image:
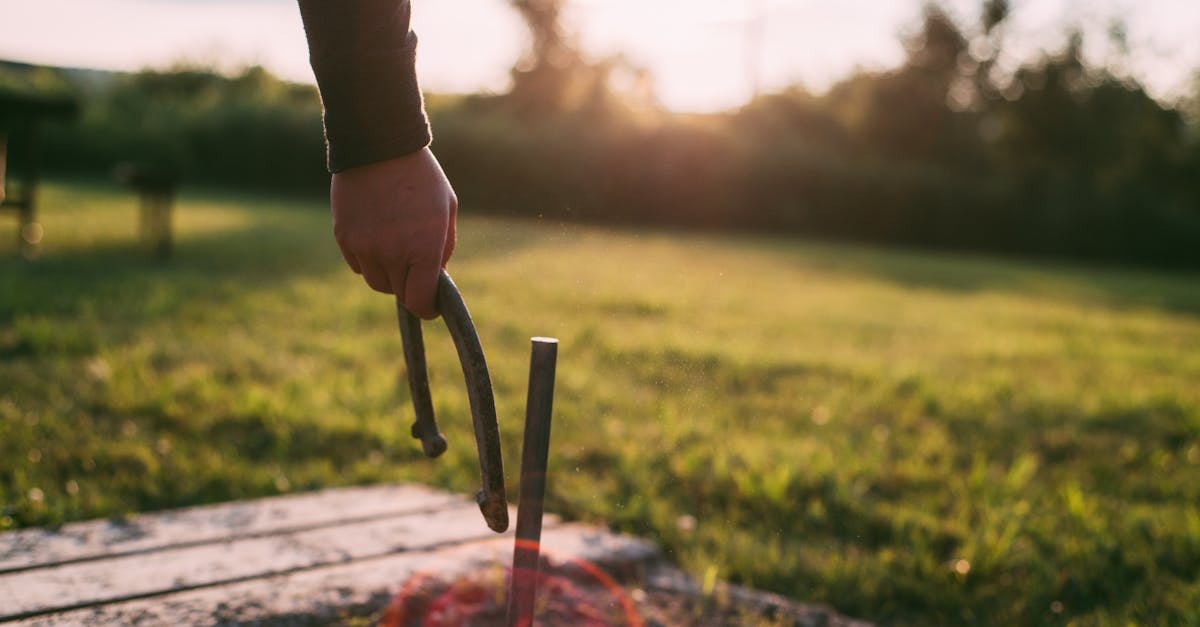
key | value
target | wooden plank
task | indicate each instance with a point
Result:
(34, 548)
(318, 596)
(168, 569)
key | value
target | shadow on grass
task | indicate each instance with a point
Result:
(126, 278)
(962, 272)
(122, 275)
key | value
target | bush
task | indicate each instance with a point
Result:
(1081, 165)
(251, 130)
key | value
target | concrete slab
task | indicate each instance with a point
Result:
(297, 559)
(81, 541)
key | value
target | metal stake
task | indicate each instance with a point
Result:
(534, 452)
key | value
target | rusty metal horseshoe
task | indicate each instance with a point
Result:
(491, 498)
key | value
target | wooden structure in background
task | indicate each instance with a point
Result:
(156, 187)
(21, 114)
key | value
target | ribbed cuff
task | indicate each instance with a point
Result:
(364, 56)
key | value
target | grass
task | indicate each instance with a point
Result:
(913, 438)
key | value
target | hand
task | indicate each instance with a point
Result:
(394, 222)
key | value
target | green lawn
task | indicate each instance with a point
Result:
(911, 437)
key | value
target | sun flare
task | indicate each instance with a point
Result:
(702, 55)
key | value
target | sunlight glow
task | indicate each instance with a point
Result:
(703, 54)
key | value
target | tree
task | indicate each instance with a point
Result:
(1100, 167)
(905, 113)
(553, 75)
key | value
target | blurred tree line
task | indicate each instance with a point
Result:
(249, 130)
(1059, 158)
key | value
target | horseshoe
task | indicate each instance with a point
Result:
(491, 497)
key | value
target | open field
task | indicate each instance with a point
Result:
(910, 437)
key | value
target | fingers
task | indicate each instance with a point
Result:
(376, 276)
(350, 259)
(397, 277)
(420, 292)
(415, 284)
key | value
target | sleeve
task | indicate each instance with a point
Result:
(363, 54)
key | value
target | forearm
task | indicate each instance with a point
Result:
(363, 54)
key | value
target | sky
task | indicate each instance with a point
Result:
(704, 55)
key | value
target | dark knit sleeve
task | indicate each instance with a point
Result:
(363, 54)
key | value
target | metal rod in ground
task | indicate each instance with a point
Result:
(534, 452)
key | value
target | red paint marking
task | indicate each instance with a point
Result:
(528, 545)
(459, 601)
